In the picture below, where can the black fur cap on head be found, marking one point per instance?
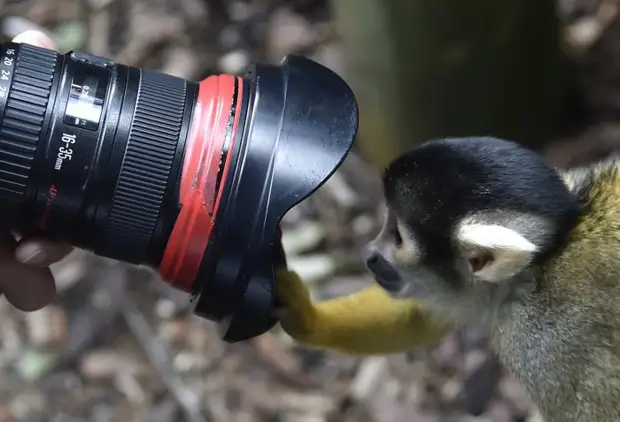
(432, 187)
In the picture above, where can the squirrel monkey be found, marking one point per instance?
(482, 230)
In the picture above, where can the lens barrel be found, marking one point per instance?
(190, 178)
(91, 151)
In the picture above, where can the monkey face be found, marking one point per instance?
(388, 249)
(406, 267)
(465, 217)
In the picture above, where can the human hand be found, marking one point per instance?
(25, 278)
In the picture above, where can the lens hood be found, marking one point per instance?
(299, 123)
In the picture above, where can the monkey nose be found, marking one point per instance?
(385, 274)
(371, 255)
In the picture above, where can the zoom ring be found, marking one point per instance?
(147, 164)
(22, 122)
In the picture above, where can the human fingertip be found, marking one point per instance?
(29, 288)
(35, 37)
(41, 252)
(30, 253)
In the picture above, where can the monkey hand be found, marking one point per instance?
(369, 322)
(300, 316)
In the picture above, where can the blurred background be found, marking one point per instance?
(119, 345)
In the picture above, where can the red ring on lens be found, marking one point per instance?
(202, 166)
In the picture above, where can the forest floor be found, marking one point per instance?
(120, 345)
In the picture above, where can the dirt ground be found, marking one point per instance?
(119, 345)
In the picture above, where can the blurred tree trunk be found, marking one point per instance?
(433, 68)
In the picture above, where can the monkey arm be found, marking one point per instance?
(369, 322)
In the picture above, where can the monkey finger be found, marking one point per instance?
(26, 287)
(291, 289)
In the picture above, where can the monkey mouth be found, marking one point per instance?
(392, 285)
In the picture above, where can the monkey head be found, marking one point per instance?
(466, 221)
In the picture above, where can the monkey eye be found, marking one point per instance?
(398, 239)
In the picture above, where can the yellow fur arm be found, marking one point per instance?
(369, 322)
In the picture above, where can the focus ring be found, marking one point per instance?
(22, 122)
(146, 165)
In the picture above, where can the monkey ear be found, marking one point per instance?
(494, 252)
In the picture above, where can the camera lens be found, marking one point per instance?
(191, 178)
(90, 151)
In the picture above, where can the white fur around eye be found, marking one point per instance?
(408, 252)
(510, 250)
